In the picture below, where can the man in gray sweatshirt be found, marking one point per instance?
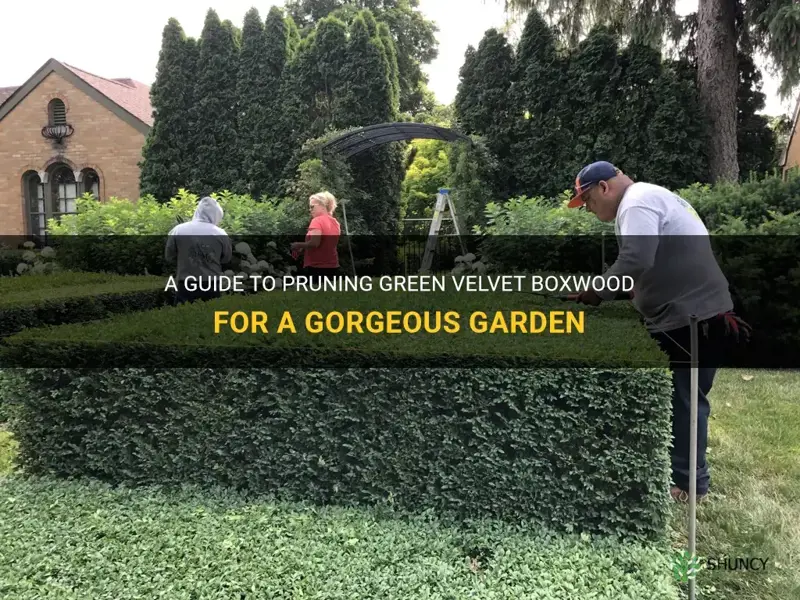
(200, 247)
(665, 248)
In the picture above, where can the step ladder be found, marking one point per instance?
(443, 200)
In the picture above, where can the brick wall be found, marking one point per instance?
(793, 152)
(101, 141)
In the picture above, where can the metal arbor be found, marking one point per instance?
(354, 142)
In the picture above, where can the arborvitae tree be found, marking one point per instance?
(314, 85)
(543, 141)
(772, 25)
(677, 133)
(215, 142)
(414, 37)
(278, 141)
(592, 97)
(368, 97)
(292, 36)
(253, 91)
(368, 100)
(167, 155)
(484, 105)
(391, 55)
(637, 103)
(756, 140)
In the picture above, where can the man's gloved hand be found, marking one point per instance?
(589, 297)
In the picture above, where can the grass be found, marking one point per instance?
(753, 509)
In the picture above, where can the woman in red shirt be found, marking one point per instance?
(322, 238)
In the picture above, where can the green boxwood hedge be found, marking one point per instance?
(70, 297)
(184, 336)
(77, 540)
(572, 449)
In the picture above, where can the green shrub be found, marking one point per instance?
(577, 448)
(148, 543)
(9, 259)
(752, 202)
(8, 408)
(185, 336)
(128, 237)
(66, 297)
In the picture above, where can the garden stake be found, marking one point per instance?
(693, 451)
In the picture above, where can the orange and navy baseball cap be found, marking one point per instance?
(589, 176)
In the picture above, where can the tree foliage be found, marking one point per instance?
(545, 111)
(215, 145)
(413, 35)
(484, 104)
(166, 155)
(771, 26)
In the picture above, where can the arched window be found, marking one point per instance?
(63, 191)
(34, 202)
(57, 112)
(91, 183)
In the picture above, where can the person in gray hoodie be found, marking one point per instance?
(200, 248)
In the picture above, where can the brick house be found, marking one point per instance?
(65, 132)
(791, 154)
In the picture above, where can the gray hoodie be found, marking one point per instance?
(200, 246)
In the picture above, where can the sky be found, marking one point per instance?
(123, 39)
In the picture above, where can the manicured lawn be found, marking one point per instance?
(753, 510)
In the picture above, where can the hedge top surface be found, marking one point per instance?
(34, 289)
(608, 335)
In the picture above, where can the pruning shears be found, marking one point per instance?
(562, 297)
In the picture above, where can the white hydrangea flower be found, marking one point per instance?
(48, 252)
(480, 267)
(264, 265)
(469, 257)
(21, 268)
(242, 248)
(272, 245)
(229, 273)
(29, 256)
(28, 245)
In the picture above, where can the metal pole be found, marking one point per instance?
(343, 202)
(693, 451)
(602, 252)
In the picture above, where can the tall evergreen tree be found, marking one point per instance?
(266, 136)
(414, 37)
(253, 90)
(369, 100)
(542, 142)
(166, 156)
(214, 138)
(391, 56)
(772, 24)
(484, 104)
(677, 136)
(756, 141)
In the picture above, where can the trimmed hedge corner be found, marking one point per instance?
(572, 449)
(53, 299)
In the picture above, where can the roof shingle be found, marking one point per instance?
(5, 92)
(131, 95)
